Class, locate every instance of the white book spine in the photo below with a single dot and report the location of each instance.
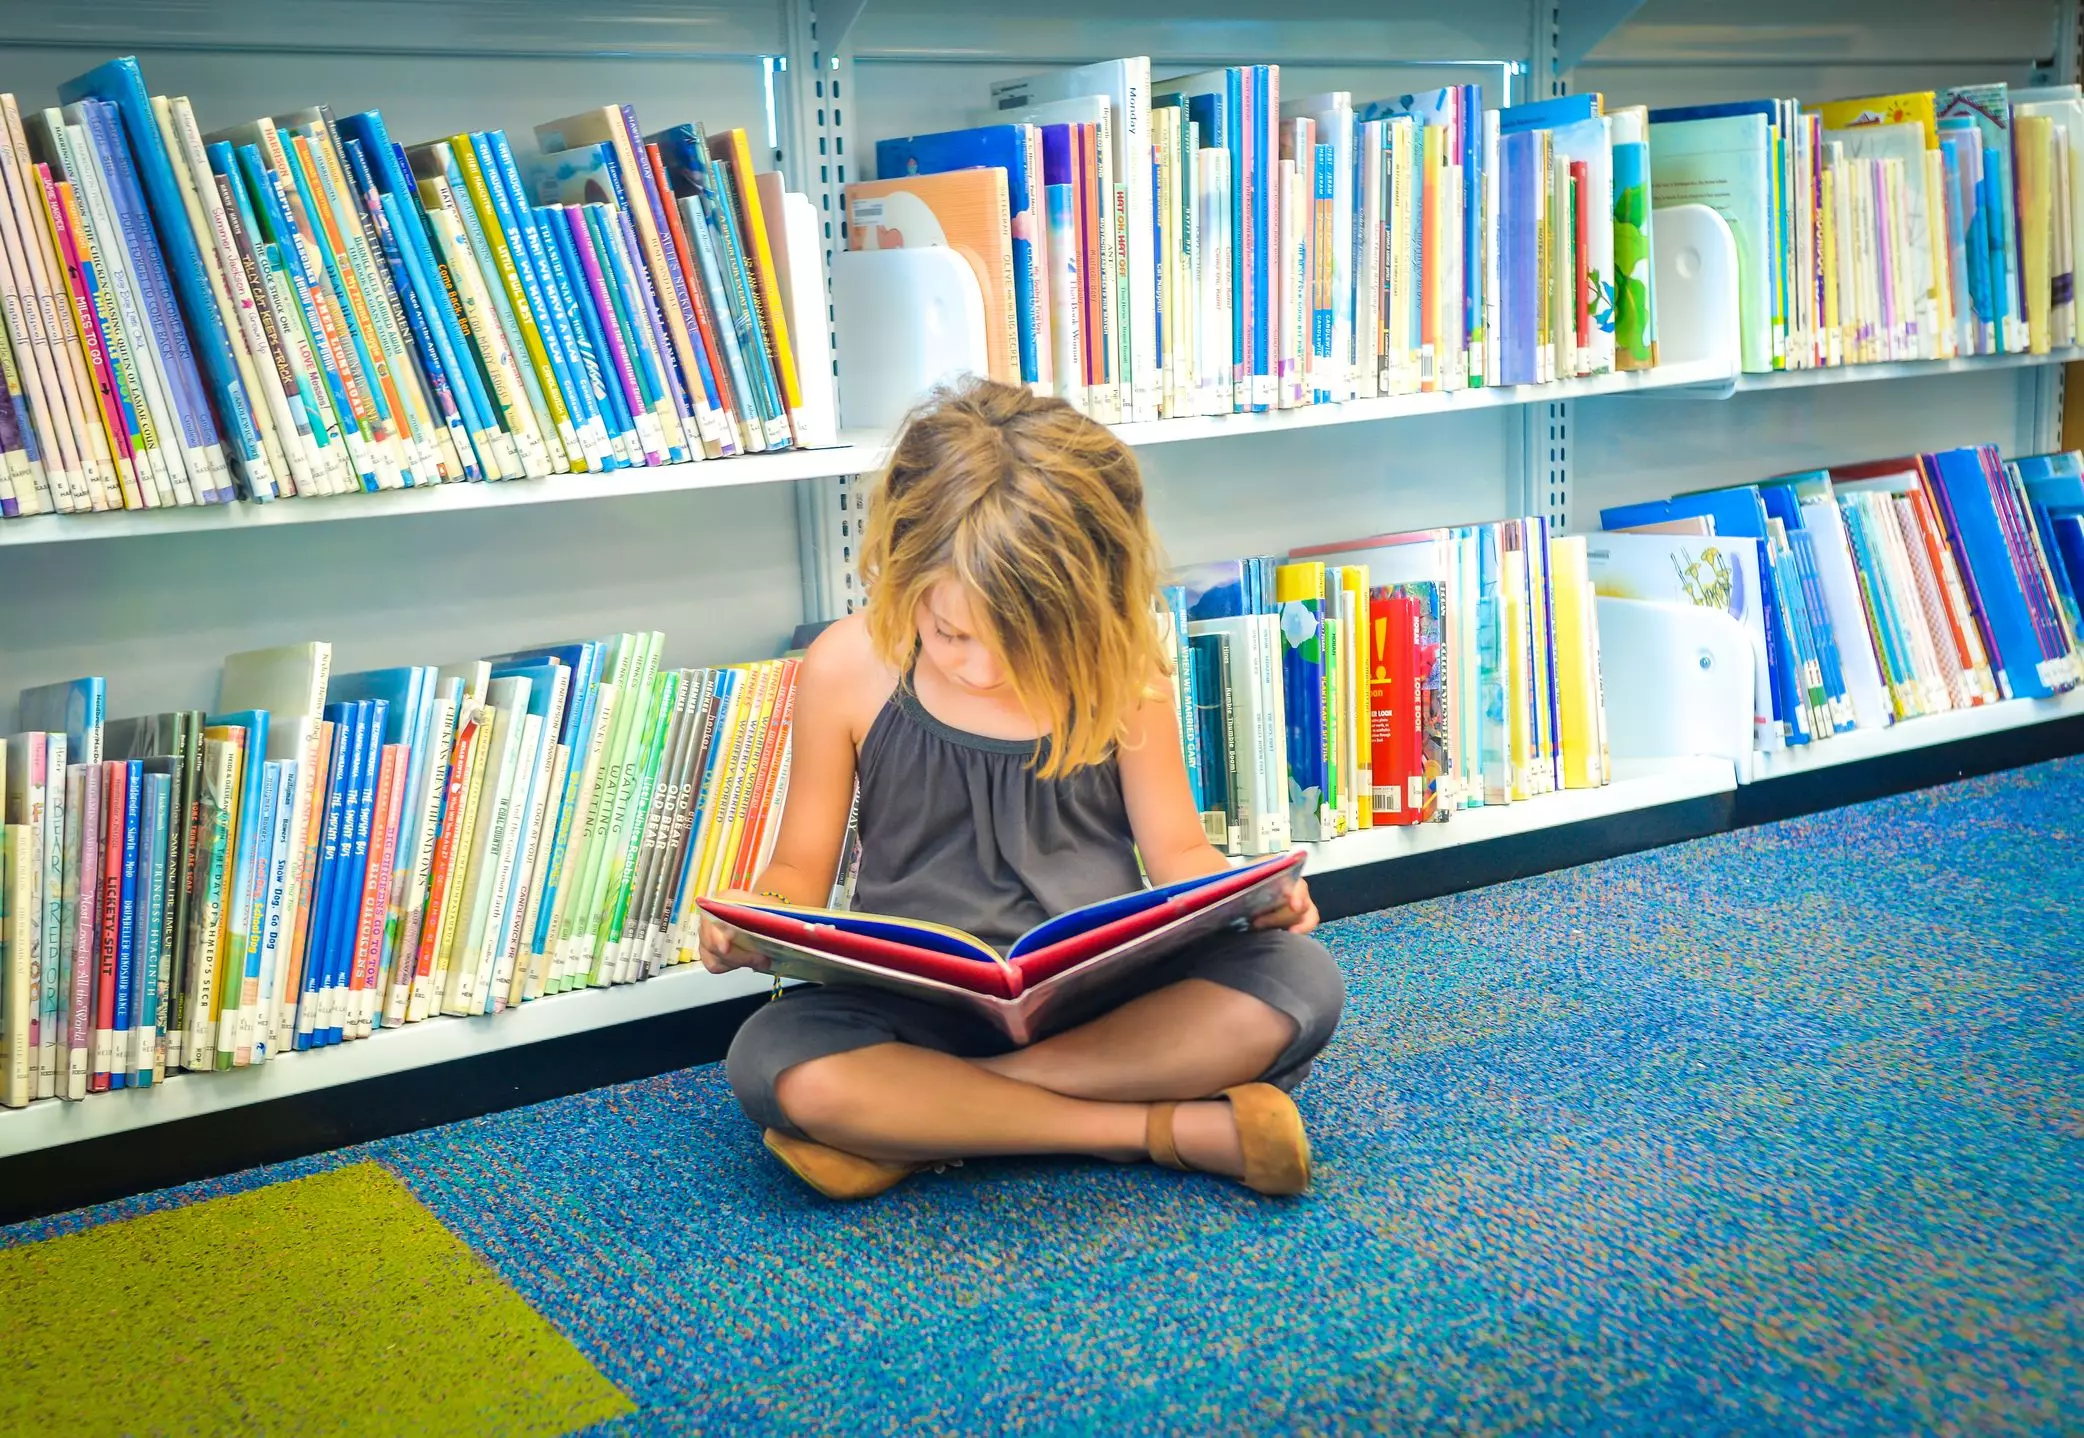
(466, 995)
(148, 486)
(97, 488)
(288, 448)
(257, 1035)
(169, 454)
(512, 820)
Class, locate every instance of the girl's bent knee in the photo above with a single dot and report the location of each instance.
(815, 1095)
(1292, 973)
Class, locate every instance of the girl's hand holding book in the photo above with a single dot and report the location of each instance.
(718, 951)
(1298, 915)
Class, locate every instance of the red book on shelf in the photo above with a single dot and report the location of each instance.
(115, 784)
(1393, 707)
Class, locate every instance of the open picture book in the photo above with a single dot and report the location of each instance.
(1057, 964)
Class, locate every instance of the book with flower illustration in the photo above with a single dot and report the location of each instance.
(1074, 956)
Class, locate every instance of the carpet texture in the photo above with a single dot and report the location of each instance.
(1779, 1131)
(331, 1302)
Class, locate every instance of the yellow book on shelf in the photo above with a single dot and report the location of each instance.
(1353, 583)
(479, 198)
(1577, 664)
(1512, 665)
(2035, 146)
(730, 727)
(1834, 351)
(1942, 275)
(1911, 107)
(733, 148)
(1432, 344)
(745, 771)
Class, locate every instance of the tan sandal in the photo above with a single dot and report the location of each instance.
(1269, 1131)
(835, 1172)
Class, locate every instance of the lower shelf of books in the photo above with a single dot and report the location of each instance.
(1638, 784)
(50, 1123)
(1922, 733)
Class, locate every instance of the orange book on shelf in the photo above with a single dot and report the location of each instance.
(733, 147)
(964, 210)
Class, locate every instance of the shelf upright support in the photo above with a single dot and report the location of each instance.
(2064, 64)
(1544, 480)
(812, 108)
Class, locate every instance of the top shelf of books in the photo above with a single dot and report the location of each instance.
(271, 314)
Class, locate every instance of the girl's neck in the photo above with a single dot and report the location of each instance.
(992, 716)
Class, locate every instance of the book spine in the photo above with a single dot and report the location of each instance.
(314, 270)
(121, 492)
(369, 302)
(702, 394)
(492, 236)
(478, 312)
(181, 384)
(47, 358)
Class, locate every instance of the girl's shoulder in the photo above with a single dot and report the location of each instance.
(842, 673)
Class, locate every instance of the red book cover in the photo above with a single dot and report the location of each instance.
(115, 786)
(697, 293)
(445, 845)
(1086, 156)
(1392, 707)
(376, 882)
(392, 814)
(86, 934)
(777, 742)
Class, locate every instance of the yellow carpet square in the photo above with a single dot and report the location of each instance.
(334, 1303)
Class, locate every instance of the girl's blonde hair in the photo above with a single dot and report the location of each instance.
(1038, 512)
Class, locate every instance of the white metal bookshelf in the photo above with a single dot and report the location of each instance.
(1898, 369)
(791, 65)
(1908, 735)
(50, 1123)
(1638, 784)
(859, 452)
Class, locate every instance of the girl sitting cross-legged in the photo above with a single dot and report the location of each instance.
(1004, 707)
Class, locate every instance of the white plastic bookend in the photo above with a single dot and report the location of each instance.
(1696, 260)
(904, 321)
(1677, 682)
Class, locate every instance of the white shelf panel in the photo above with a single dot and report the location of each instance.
(1638, 784)
(859, 452)
(1899, 369)
(1406, 406)
(50, 1122)
(1919, 733)
(445, 498)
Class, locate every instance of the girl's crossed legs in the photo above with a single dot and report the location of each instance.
(889, 1077)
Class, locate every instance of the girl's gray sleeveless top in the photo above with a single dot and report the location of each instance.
(957, 828)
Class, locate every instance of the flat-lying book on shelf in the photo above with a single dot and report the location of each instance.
(1071, 957)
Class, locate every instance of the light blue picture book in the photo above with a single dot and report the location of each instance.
(75, 708)
(1708, 572)
(1725, 164)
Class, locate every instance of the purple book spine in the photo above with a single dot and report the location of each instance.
(645, 192)
(2012, 522)
(79, 1036)
(661, 342)
(604, 307)
(169, 335)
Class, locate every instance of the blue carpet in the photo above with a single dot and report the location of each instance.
(1780, 1131)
